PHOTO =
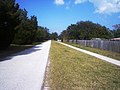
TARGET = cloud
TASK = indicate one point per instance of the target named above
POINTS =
(106, 6)
(59, 2)
(68, 4)
(103, 6)
(79, 1)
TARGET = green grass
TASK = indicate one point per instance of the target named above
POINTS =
(73, 70)
(98, 51)
(36, 43)
(13, 49)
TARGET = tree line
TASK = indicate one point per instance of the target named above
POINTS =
(116, 31)
(86, 30)
(16, 27)
(43, 34)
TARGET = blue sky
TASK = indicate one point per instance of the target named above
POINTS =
(57, 15)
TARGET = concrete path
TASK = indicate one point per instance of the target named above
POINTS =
(113, 61)
(25, 70)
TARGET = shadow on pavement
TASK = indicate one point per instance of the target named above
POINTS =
(24, 52)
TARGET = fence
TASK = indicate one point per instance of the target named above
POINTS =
(113, 46)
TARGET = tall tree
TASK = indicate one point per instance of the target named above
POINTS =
(64, 35)
(73, 32)
(86, 30)
(42, 34)
(26, 30)
(116, 30)
(54, 36)
(9, 19)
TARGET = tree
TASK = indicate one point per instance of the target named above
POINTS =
(73, 32)
(89, 30)
(26, 30)
(86, 30)
(54, 36)
(116, 30)
(9, 19)
(42, 34)
(64, 35)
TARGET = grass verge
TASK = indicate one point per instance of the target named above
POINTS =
(36, 43)
(73, 70)
(98, 51)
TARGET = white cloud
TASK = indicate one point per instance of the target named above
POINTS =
(106, 6)
(79, 1)
(59, 2)
(103, 6)
(68, 4)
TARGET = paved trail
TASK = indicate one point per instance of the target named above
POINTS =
(110, 60)
(25, 70)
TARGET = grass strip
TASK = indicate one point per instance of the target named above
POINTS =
(110, 54)
(73, 70)
(36, 43)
